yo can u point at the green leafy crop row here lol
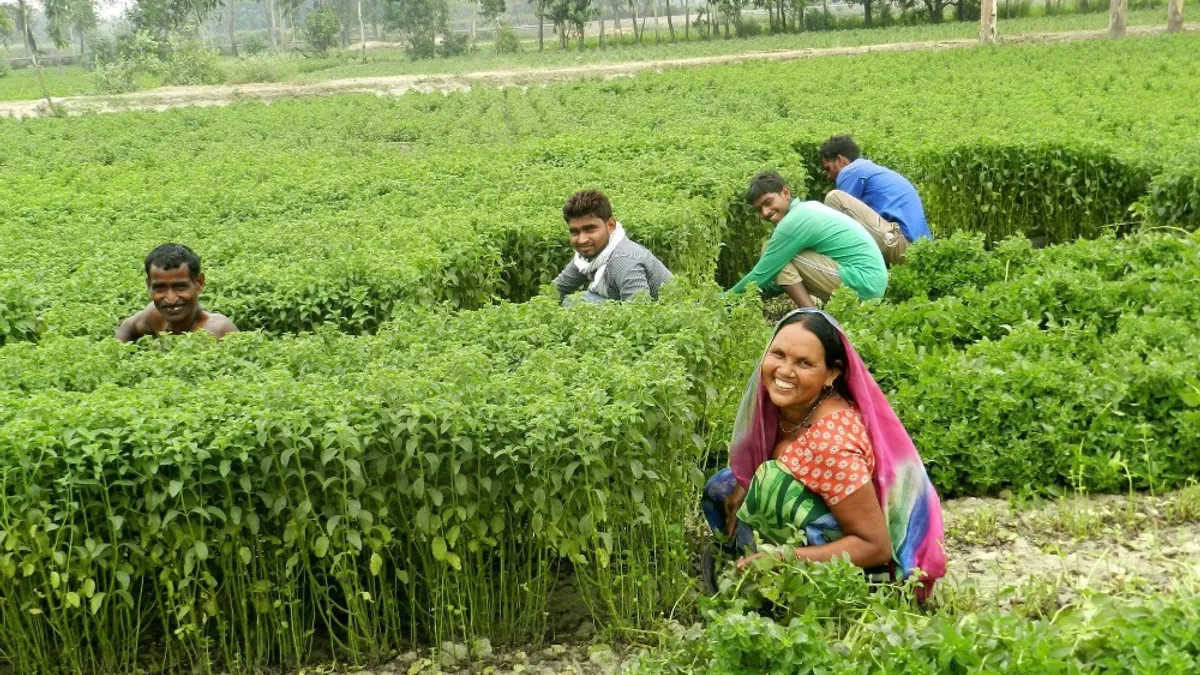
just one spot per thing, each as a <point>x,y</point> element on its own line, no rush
<point>243,503</point>
<point>339,210</point>
<point>1035,370</point>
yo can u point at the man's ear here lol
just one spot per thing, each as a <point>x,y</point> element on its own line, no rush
<point>200,282</point>
<point>611,224</point>
<point>786,193</point>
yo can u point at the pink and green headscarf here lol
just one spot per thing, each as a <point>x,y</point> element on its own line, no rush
<point>910,504</point>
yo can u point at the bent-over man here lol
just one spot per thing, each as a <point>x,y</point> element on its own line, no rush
<point>812,250</point>
<point>174,282</point>
<point>885,202</point>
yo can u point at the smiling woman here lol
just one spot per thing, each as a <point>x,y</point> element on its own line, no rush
<point>819,454</point>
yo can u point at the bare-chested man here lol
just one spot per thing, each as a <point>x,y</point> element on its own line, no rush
<point>174,281</point>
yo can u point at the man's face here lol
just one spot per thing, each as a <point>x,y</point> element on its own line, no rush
<point>834,166</point>
<point>589,234</point>
<point>174,293</point>
<point>773,206</point>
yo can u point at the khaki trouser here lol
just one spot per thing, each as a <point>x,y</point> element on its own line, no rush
<point>819,273</point>
<point>887,235</point>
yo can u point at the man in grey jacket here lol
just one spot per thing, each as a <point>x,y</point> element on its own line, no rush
<point>608,265</point>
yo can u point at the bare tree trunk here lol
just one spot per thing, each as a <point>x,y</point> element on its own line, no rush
<point>657,21</point>
<point>867,12</point>
<point>602,33</point>
<point>637,34</point>
<point>987,21</point>
<point>232,35</point>
<point>670,23</point>
<point>362,32</point>
<point>27,31</point>
<point>783,27</point>
<point>687,21</point>
<point>1175,16</point>
<point>541,31</point>
<point>1118,11</point>
<point>269,7</point>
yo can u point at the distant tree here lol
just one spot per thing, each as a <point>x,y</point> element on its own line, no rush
<point>422,22</point>
<point>321,29</point>
<point>65,18</point>
<point>8,27</point>
<point>163,17</point>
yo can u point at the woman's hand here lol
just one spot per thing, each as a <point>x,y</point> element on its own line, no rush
<point>746,561</point>
<point>732,503</point>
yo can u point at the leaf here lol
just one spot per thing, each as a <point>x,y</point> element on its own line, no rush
<point>175,487</point>
<point>244,554</point>
<point>321,546</point>
<point>376,564</point>
<point>72,599</point>
<point>225,466</point>
<point>439,548</point>
<point>96,601</point>
<point>201,550</point>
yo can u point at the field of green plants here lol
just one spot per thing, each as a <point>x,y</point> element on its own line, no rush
<point>412,442</point>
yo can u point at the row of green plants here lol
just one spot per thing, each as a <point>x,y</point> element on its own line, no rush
<point>1043,369</point>
<point>351,495</point>
<point>291,204</point>
<point>791,616</point>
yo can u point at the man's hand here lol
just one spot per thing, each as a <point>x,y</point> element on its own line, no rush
<point>746,561</point>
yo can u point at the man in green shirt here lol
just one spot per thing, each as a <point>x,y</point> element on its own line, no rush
<point>813,249</point>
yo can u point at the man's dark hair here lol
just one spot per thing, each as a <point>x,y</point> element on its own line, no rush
<point>587,203</point>
<point>839,145</point>
<point>764,183</point>
<point>170,256</point>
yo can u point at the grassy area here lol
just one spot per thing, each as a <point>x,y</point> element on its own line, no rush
<point>76,81</point>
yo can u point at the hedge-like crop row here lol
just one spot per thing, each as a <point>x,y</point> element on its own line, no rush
<point>339,210</point>
<point>244,504</point>
<point>1072,366</point>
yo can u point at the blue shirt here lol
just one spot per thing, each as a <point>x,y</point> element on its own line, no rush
<point>887,193</point>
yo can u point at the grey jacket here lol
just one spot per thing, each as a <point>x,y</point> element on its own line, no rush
<point>631,268</point>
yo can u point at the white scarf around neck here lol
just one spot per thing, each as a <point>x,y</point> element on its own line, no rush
<point>596,267</point>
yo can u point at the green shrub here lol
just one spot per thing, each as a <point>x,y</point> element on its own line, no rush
<point>19,320</point>
<point>116,78</point>
<point>507,41</point>
<point>262,68</point>
<point>191,62</point>
<point>4,68</point>
<point>1173,198</point>
<point>455,44</point>
<point>255,44</point>
<point>321,29</point>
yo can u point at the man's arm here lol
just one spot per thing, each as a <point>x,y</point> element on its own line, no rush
<point>783,245</point>
<point>569,280</point>
<point>633,281</point>
<point>131,329</point>
<point>222,327</point>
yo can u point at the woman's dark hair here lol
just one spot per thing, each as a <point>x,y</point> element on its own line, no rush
<point>831,342</point>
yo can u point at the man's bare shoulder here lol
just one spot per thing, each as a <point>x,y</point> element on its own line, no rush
<point>139,325</point>
<point>219,325</point>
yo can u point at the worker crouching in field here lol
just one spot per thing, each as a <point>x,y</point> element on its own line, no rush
<point>174,282</point>
<point>812,250</point>
<point>885,202</point>
<point>607,263</point>
<point>818,451</point>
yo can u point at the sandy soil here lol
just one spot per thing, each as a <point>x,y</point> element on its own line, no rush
<point>165,98</point>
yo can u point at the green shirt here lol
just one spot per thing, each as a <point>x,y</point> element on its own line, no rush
<point>814,226</point>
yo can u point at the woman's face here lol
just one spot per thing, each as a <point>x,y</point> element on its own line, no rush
<point>793,370</point>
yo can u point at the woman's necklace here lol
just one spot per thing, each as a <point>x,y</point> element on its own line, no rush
<point>824,395</point>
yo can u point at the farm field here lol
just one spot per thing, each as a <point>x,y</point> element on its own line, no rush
<point>77,81</point>
<point>411,443</point>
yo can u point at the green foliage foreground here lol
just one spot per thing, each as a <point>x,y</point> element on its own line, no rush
<point>852,629</point>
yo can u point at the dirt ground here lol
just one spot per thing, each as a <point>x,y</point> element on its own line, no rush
<point>1031,559</point>
<point>165,98</point>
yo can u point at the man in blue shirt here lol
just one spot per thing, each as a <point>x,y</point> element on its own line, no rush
<point>885,202</point>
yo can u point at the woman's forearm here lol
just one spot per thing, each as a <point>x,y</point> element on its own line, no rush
<point>863,553</point>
